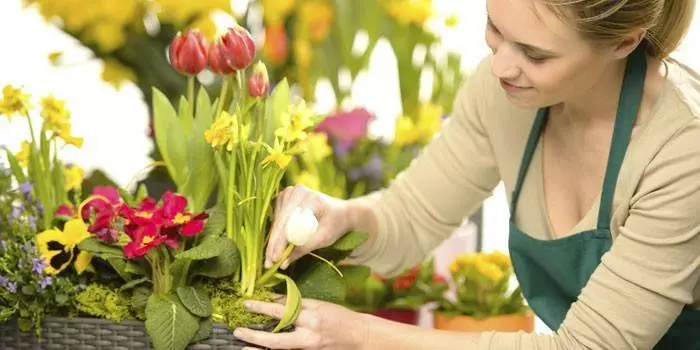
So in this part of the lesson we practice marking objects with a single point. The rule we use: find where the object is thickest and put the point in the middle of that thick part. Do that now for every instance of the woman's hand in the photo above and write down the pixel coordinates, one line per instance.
(333, 215)
(320, 325)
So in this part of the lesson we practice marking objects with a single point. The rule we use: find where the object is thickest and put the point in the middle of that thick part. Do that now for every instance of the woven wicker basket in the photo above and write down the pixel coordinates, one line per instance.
(92, 334)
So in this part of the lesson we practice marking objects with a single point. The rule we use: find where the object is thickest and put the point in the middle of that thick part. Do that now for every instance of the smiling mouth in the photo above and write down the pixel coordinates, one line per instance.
(512, 85)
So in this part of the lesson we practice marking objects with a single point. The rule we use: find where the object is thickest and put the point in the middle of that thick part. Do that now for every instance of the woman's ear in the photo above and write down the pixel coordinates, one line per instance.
(625, 47)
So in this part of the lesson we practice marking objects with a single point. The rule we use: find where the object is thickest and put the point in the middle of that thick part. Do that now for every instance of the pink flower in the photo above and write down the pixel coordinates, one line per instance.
(346, 128)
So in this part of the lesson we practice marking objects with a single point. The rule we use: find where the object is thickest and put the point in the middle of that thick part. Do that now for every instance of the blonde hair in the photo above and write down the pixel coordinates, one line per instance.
(605, 22)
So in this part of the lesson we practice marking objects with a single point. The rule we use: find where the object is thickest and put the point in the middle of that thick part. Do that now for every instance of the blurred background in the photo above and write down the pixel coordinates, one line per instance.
(398, 63)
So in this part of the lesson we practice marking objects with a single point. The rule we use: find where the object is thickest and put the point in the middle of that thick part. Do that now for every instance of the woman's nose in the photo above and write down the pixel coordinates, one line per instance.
(504, 63)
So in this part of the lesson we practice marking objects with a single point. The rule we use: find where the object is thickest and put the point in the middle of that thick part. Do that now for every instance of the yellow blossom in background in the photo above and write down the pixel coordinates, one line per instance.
(304, 53)
(316, 17)
(74, 176)
(181, 11)
(500, 259)
(405, 131)
(276, 11)
(55, 114)
(223, 131)
(451, 21)
(415, 12)
(295, 121)
(429, 121)
(116, 73)
(55, 58)
(108, 36)
(206, 25)
(317, 146)
(307, 179)
(23, 155)
(14, 102)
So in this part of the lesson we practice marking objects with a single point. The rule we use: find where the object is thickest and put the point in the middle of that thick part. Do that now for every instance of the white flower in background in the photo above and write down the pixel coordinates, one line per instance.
(301, 225)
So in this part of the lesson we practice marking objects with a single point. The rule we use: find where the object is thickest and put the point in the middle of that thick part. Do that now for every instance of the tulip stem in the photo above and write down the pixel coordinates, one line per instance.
(222, 97)
(272, 270)
(190, 93)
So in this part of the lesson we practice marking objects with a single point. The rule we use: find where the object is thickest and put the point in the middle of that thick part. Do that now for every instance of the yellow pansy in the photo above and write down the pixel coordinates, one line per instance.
(14, 102)
(74, 176)
(23, 155)
(58, 248)
(116, 73)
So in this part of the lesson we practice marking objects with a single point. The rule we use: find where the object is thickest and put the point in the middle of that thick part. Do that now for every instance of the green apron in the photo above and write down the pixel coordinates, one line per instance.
(552, 273)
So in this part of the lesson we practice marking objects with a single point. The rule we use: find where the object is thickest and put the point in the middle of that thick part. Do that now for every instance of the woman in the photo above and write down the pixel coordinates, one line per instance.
(595, 133)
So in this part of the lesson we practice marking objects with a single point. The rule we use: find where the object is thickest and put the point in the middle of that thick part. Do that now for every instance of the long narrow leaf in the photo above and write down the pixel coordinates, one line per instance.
(292, 306)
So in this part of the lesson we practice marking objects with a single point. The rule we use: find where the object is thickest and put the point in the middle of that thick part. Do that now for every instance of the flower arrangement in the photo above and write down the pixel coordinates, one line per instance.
(191, 257)
(482, 287)
(410, 290)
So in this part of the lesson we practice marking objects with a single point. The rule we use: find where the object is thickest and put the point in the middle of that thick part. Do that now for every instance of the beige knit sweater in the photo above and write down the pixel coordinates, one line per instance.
(653, 267)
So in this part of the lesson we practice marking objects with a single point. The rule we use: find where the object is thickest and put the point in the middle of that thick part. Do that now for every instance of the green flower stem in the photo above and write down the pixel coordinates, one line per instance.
(190, 94)
(230, 196)
(222, 97)
(272, 270)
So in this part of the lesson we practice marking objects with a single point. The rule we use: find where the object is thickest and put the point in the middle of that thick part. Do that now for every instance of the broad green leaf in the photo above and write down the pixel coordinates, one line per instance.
(134, 268)
(204, 332)
(350, 241)
(119, 265)
(196, 301)
(58, 181)
(225, 264)
(133, 283)
(126, 196)
(292, 306)
(216, 223)
(177, 149)
(164, 115)
(277, 105)
(139, 298)
(17, 171)
(141, 193)
(355, 275)
(201, 178)
(169, 324)
(320, 281)
(186, 118)
(211, 246)
(98, 247)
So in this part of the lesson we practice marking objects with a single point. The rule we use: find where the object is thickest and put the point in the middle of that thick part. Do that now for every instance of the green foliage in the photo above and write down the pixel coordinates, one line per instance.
(105, 302)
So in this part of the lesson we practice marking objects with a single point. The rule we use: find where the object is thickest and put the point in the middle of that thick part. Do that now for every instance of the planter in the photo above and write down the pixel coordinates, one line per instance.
(92, 333)
(398, 315)
(501, 323)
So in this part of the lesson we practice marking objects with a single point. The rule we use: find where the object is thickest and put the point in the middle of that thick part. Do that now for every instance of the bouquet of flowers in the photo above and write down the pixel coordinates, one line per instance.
(190, 258)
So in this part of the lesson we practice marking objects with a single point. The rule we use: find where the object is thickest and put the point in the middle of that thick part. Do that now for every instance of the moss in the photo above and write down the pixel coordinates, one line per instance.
(104, 302)
(227, 303)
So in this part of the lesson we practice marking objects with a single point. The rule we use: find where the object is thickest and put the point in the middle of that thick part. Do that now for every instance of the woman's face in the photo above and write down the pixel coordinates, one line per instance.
(540, 59)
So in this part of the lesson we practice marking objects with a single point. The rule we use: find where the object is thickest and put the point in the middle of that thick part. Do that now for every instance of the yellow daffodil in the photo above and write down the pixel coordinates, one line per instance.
(74, 176)
(14, 102)
(56, 116)
(224, 131)
(58, 248)
(107, 35)
(68, 138)
(429, 121)
(406, 132)
(23, 155)
(295, 122)
(277, 155)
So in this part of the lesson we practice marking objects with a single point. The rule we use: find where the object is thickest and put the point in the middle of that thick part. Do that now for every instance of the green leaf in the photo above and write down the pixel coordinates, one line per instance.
(186, 119)
(169, 324)
(141, 194)
(292, 307)
(196, 301)
(211, 246)
(133, 283)
(15, 167)
(163, 116)
(139, 297)
(204, 332)
(100, 248)
(119, 265)
(177, 149)
(134, 268)
(201, 179)
(29, 290)
(126, 196)
(350, 241)
(61, 299)
(225, 264)
(277, 105)
(320, 281)
(58, 181)
(216, 223)
(355, 275)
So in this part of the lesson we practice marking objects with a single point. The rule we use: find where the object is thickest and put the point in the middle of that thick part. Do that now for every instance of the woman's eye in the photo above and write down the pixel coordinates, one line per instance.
(535, 58)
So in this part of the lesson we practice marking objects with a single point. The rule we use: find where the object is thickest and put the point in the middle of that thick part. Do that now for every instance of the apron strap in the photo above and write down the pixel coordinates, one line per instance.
(532, 140)
(627, 109)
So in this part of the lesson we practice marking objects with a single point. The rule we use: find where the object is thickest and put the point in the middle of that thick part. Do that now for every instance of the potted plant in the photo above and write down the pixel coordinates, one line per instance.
(482, 300)
(398, 298)
(175, 270)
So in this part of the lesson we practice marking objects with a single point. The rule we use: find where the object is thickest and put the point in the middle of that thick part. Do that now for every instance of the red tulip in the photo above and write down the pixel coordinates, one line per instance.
(276, 48)
(217, 59)
(259, 82)
(188, 52)
(240, 48)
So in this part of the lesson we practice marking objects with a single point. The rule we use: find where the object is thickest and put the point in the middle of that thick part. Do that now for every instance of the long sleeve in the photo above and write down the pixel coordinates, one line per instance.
(652, 270)
(446, 183)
